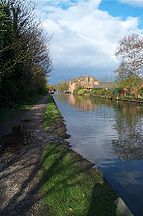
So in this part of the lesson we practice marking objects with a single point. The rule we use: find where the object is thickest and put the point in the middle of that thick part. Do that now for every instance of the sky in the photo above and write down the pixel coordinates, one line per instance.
(85, 34)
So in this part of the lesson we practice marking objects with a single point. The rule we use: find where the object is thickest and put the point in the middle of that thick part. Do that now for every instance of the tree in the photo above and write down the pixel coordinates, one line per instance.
(24, 53)
(130, 53)
(130, 71)
(132, 85)
(62, 86)
(5, 35)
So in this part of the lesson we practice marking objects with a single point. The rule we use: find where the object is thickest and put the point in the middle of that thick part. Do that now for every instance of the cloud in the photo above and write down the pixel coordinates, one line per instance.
(84, 37)
(129, 177)
(137, 3)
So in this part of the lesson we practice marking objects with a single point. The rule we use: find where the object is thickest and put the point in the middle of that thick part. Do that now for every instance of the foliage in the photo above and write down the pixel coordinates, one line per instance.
(50, 87)
(133, 84)
(129, 73)
(62, 86)
(24, 55)
(141, 92)
(78, 90)
(102, 92)
(116, 91)
(81, 92)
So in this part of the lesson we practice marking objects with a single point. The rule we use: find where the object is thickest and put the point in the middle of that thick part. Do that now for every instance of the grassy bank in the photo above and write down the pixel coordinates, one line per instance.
(70, 184)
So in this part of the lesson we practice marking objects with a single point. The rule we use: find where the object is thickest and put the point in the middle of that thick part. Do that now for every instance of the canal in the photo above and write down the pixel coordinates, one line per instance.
(109, 134)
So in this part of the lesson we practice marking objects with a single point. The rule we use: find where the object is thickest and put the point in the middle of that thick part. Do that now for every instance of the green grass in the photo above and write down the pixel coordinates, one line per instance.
(51, 114)
(53, 121)
(70, 184)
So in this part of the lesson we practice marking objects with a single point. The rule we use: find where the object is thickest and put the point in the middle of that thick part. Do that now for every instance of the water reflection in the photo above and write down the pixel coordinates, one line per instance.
(128, 123)
(80, 102)
(112, 137)
(128, 144)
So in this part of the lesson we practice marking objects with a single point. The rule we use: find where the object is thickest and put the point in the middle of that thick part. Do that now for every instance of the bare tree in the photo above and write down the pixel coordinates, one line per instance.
(130, 53)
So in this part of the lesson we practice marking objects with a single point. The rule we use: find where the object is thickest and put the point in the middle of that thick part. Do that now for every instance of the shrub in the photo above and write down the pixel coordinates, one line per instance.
(81, 92)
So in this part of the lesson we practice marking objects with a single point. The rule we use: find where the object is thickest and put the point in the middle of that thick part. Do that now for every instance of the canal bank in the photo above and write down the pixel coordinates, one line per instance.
(91, 195)
(76, 186)
(137, 101)
(107, 94)
(109, 134)
(42, 175)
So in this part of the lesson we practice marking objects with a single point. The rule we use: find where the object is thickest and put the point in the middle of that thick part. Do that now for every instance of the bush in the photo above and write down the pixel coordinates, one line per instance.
(81, 92)
(96, 92)
(141, 92)
(102, 92)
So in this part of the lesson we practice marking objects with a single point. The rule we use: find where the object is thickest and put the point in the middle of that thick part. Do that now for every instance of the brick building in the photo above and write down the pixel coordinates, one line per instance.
(86, 82)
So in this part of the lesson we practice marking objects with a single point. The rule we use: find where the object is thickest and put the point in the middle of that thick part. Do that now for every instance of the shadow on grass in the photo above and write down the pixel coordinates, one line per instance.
(102, 201)
(71, 186)
(68, 186)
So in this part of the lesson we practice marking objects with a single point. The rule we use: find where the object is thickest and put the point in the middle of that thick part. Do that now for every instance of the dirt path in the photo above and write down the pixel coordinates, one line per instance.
(22, 142)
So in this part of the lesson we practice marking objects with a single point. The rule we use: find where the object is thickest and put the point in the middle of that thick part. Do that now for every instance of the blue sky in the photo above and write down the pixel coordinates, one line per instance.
(86, 34)
(120, 9)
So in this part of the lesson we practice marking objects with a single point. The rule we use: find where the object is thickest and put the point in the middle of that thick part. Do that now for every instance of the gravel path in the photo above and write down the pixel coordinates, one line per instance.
(24, 139)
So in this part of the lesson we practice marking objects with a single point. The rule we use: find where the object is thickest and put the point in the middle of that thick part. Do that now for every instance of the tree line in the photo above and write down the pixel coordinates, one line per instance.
(25, 61)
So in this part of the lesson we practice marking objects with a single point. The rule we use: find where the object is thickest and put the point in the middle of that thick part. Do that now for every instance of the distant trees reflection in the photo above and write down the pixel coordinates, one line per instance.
(80, 102)
(128, 124)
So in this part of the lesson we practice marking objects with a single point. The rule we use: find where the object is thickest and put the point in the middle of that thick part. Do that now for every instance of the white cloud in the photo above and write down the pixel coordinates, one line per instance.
(137, 3)
(84, 38)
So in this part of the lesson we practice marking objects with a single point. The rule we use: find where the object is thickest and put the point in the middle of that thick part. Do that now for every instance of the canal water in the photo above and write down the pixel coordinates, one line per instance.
(109, 134)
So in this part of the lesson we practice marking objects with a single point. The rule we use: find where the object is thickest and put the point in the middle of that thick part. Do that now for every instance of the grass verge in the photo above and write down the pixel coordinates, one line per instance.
(70, 184)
